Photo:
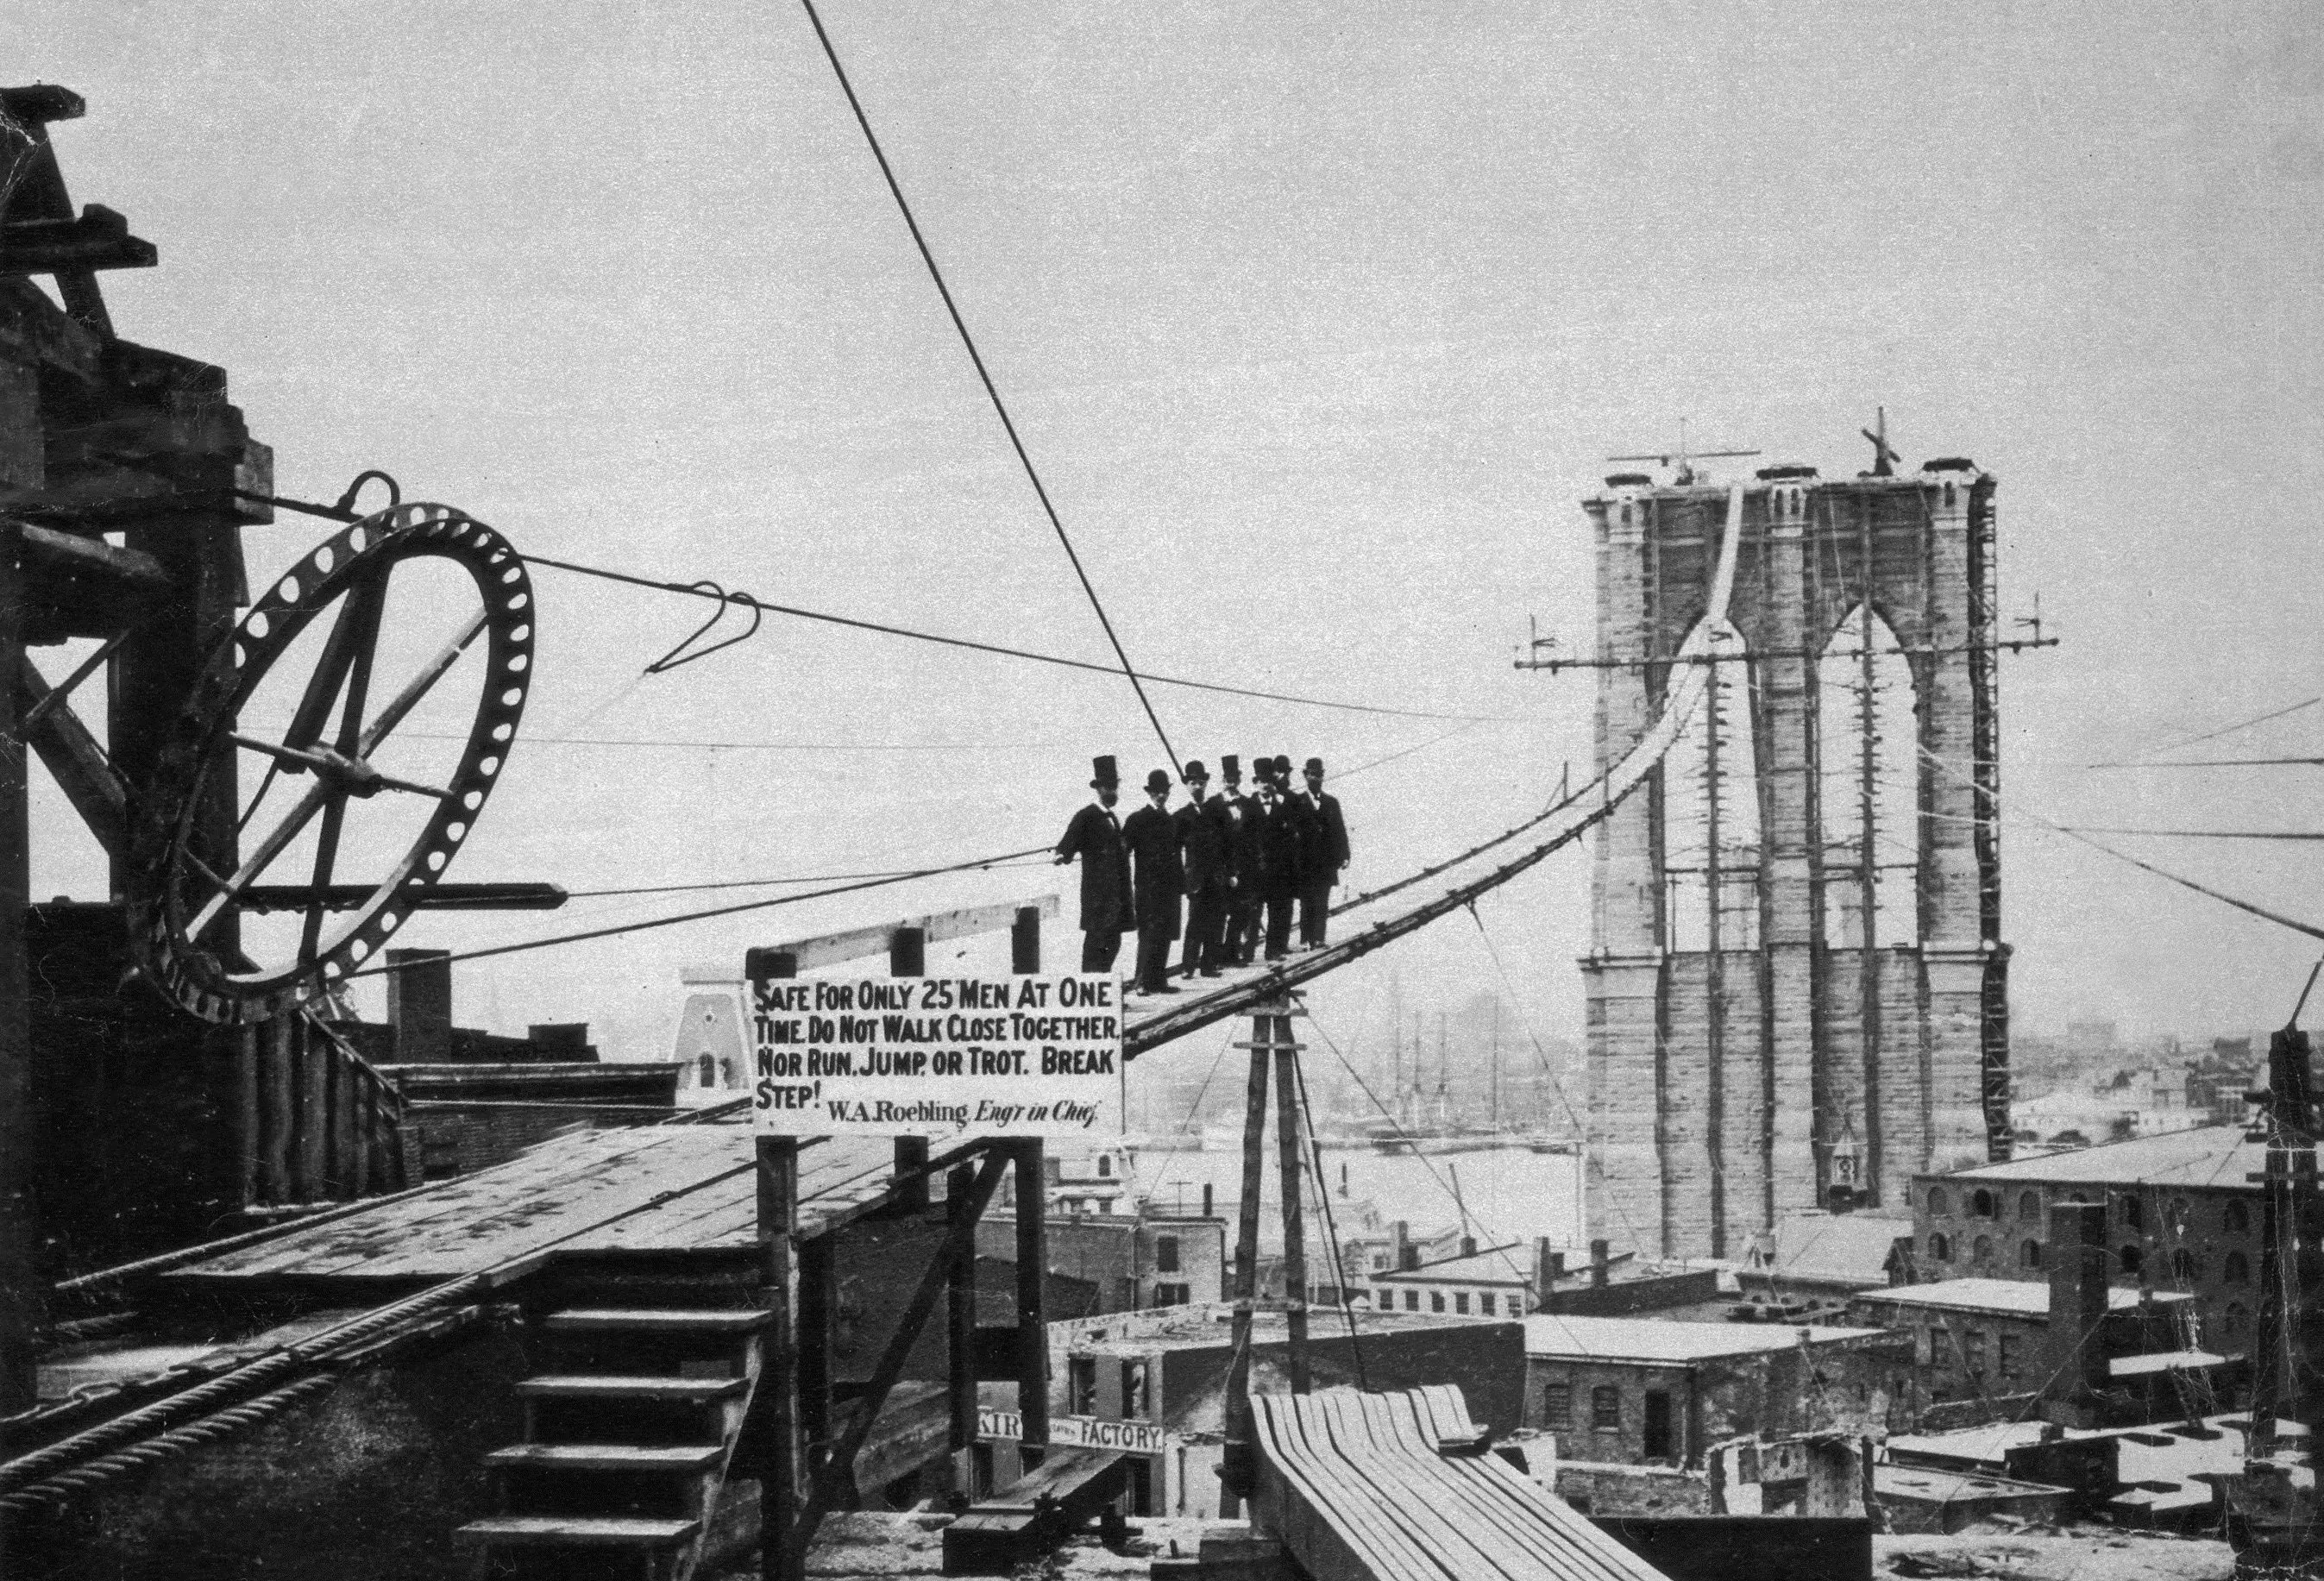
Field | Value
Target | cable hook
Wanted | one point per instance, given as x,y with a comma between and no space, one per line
347,504
678,656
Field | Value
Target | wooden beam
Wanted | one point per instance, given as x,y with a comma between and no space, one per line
774,1400
74,759
818,1322
908,956
1032,1282
98,239
1235,1468
1291,1162
960,1317
861,943
19,1235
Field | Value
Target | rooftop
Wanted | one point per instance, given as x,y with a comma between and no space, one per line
1206,1324
2161,1464
1923,1485
2163,1360
2200,1155
1833,1248
2016,1296
1632,1339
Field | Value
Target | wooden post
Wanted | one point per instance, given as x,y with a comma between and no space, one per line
1024,941
314,1111
20,1235
775,1399
277,1104
1294,1242
1032,1322
247,1042
908,956
960,1319
1235,1467
817,1319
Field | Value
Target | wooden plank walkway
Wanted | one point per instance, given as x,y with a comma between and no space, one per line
664,1182
1377,1487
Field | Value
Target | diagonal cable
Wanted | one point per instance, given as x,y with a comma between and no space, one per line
992,390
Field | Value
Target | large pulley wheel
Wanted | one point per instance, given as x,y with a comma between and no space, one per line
186,912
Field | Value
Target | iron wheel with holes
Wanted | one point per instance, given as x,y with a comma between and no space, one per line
186,915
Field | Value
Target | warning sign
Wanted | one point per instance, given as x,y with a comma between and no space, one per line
1018,1056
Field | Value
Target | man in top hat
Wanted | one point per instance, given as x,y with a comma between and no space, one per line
1153,841
1239,933
1094,835
1283,839
1205,835
1327,854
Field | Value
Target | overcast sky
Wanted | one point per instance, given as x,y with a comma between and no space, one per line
1319,318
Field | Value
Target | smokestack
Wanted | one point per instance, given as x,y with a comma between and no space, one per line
420,1005
1408,1255
1598,1253
2078,1357
1206,1200
1547,1265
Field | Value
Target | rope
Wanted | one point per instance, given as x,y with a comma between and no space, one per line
2210,735
1314,1160
749,602
992,390
57,1489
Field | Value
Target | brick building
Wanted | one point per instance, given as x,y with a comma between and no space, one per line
1127,1262
1629,1393
2182,1216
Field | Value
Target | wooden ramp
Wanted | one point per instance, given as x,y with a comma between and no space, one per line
1398,1487
662,1188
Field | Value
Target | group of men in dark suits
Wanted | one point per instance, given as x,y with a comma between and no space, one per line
1240,863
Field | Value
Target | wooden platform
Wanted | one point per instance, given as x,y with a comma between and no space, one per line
555,1200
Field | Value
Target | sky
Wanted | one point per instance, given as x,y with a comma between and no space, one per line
1318,320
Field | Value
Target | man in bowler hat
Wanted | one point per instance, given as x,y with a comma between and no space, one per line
1327,854
1094,835
1205,834
1153,841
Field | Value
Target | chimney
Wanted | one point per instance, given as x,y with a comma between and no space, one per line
568,1040
420,1005
1408,1255
1547,1267
1206,1200
2077,1351
1468,1246
1599,1272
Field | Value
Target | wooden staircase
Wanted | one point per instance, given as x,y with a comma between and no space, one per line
627,1439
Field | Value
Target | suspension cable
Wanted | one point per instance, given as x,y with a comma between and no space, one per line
992,390
750,602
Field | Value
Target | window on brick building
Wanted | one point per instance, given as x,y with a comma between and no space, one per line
2236,1269
2130,1258
2029,1254
1940,1248
1173,1295
2186,1267
2029,1206
1436,1300
1657,1440
1080,1384
1557,1405
1940,1348
2013,1358
706,1072
2236,1219
1460,1303
1981,1205
1937,1202
1166,1254
1981,1249
1412,1300
1973,1352
1485,1303
2131,1210
1606,1408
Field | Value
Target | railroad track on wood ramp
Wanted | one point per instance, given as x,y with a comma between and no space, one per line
1379,917
1401,1487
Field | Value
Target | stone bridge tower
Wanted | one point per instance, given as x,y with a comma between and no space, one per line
1797,990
